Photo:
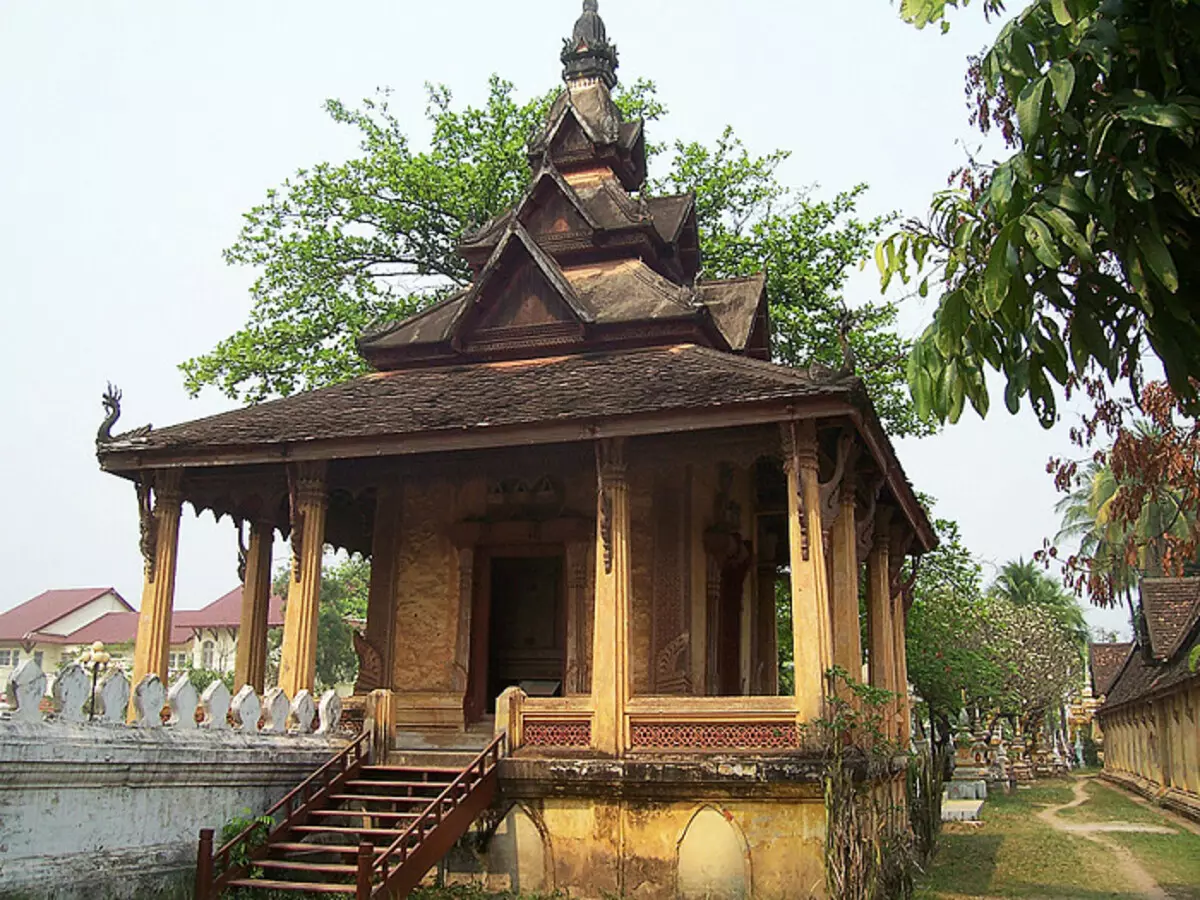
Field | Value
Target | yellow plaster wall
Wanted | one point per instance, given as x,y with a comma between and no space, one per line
592,849
1156,749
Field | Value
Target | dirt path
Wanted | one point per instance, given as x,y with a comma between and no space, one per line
1140,880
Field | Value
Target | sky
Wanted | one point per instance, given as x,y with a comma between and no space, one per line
135,133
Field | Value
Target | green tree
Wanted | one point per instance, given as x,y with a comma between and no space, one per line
343,602
1075,256
949,659
340,246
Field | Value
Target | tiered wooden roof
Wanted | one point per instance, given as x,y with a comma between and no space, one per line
585,316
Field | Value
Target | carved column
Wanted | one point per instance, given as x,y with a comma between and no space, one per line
377,646
160,501
250,666
308,498
811,633
610,634
880,637
900,657
847,640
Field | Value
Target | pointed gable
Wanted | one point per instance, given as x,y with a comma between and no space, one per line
551,207
521,293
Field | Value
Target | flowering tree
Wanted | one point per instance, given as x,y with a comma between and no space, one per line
1041,660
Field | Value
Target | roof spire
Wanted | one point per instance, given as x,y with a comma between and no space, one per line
587,53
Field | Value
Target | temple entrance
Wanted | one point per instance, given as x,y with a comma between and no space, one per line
524,638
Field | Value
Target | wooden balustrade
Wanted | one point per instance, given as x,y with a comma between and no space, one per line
293,807
391,862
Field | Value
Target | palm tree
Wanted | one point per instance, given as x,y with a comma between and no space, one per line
1025,584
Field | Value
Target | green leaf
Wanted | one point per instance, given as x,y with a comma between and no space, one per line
1140,187
1062,78
1062,15
1041,242
1065,226
1030,105
1000,191
1164,115
1157,257
997,276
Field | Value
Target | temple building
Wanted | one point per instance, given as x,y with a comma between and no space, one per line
1151,711
580,482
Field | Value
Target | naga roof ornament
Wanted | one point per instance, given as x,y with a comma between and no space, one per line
588,53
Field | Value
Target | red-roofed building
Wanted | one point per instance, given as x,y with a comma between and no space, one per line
58,624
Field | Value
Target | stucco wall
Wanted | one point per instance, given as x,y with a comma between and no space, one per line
719,850
103,812
1154,748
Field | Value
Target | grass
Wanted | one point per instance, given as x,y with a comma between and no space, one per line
1106,804
1015,854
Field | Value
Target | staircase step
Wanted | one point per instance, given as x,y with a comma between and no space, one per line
293,865
417,770
364,814
292,847
316,887
372,785
383,798
342,829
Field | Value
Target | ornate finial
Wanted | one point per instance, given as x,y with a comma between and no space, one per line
111,401
588,52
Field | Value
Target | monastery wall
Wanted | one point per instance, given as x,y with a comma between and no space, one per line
1154,748
102,812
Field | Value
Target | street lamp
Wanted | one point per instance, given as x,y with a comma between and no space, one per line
96,657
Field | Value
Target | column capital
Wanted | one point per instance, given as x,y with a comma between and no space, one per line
167,485
610,460
306,482
883,528
799,444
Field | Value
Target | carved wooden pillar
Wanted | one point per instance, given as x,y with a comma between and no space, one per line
298,660
250,666
847,640
377,645
610,648
579,620
880,637
811,633
900,657
766,657
160,501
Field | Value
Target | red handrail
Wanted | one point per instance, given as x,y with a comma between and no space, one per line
434,810
342,762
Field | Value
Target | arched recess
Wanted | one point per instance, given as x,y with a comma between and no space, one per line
712,860
520,849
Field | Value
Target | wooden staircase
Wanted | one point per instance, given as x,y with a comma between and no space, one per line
356,829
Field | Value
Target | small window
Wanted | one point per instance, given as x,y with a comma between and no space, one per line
6,658
37,658
206,655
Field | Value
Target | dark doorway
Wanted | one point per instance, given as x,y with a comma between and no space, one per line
526,633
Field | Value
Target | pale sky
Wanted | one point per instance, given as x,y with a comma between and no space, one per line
135,133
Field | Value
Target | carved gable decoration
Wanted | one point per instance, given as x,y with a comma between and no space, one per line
550,211
524,299
570,141
520,294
